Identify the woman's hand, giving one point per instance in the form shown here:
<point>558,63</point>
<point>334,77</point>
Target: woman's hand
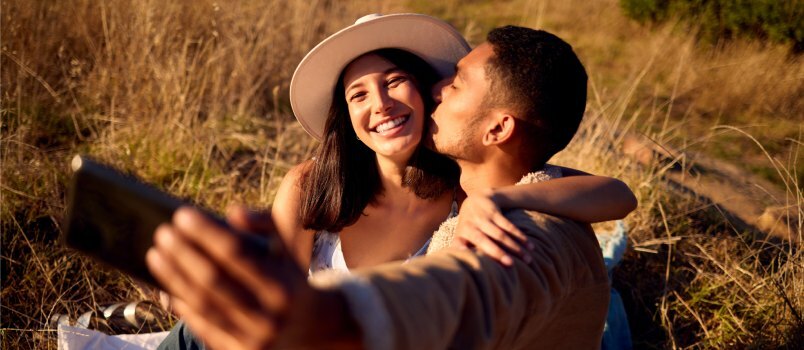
<point>482,225</point>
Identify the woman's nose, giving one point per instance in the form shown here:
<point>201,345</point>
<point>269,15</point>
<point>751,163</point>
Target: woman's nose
<point>382,102</point>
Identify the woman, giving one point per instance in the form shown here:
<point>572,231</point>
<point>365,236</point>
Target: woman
<point>374,194</point>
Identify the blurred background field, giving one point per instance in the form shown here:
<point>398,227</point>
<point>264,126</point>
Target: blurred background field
<point>699,113</point>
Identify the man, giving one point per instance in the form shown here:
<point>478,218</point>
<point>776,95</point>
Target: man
<point>234,297</point>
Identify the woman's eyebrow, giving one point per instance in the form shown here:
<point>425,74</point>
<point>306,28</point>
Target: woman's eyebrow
<point>387,71</point>
<point>352,87</point>
<point>393,70</point>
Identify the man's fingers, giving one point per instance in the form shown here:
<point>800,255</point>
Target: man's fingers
<point>223,242</point>
<point>172,279</point>
<point>164,267</point>
<point>208,284</point>
<point>246,257</point>
<point>201,230</point>
<point>242,218</point>
<point>226,246</point>
<point>213,303</point>
<point>210,294</point>
<point>259,223</point>
<point>165,272</point>
<point>214,334</point>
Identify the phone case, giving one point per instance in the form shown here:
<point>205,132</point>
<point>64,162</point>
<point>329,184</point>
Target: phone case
<point>112,216</point>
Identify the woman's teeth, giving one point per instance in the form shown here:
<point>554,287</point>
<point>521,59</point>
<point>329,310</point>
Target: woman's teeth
<point>391,124</point>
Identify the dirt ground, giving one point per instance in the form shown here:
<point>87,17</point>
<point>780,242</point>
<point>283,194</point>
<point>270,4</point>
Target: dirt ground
<point>748,201</point>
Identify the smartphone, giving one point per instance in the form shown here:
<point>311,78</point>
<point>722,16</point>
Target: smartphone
<point>112,216</point>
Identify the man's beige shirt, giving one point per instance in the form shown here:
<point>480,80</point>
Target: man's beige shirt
<point>460,299</point>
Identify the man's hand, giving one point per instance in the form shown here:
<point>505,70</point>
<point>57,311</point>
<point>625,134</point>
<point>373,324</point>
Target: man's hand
<point>242,291</point>
<point>481,225</point>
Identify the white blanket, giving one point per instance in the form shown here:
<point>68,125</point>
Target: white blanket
<point>72,338</point>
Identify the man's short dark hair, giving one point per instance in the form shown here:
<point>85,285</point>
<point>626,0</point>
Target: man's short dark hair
<point>540,77</point>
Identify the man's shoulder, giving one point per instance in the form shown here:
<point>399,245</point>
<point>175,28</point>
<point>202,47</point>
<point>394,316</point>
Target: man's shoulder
<point>540,222</point>
<point>572,242</point>
<point>556,228</point>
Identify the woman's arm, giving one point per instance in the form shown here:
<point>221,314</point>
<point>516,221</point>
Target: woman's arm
<point>587,198</point>
<point>285,213</point>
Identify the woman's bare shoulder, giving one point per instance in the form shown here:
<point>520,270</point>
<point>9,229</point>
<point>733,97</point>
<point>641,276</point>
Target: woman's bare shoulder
<point>290,190</point>
<point>296,174</point>
<point>286,212</point>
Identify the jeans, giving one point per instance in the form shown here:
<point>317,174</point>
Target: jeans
<point>180,337</point>
<point>616,334</point>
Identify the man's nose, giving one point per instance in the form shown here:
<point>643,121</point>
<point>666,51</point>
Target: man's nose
<point>438,87</point>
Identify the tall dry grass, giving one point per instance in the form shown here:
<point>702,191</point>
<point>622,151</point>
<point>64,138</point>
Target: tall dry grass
<point>191,96</point>
<point>692,279</point>
<point>752,85</point>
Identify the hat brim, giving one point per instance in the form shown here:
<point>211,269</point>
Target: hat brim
<point>435,41</point>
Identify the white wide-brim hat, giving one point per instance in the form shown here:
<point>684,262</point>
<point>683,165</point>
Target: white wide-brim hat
<point>314,81</point>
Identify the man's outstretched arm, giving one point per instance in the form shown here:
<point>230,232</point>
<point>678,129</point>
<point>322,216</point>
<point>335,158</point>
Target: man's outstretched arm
<point>234,297</point>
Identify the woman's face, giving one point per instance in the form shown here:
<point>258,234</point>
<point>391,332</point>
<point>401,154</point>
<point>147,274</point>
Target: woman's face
<point>385,107</point>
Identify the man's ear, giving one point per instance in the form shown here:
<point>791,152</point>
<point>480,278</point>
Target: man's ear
<point>499,129</point>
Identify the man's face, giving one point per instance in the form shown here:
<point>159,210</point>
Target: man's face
<point>455,126</point>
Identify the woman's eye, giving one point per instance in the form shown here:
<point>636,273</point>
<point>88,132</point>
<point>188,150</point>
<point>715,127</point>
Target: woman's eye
<point>395,81</point>
<point>453,87</point>
<point>357,97</point>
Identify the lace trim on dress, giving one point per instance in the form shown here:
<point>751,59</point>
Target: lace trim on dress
<point>443,237</point>
<point>328,254</point>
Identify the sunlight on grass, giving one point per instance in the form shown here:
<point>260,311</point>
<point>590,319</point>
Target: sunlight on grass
<point>192,96</point>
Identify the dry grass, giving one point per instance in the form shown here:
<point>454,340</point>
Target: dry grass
<point>191,95</point>
<point>692,279</point>
<point>188,94</point>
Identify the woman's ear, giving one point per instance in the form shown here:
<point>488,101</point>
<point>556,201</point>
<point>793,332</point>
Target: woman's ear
<point>499,129</point>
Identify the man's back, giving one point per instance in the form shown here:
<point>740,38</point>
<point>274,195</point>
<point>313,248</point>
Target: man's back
<point>578,286</point>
